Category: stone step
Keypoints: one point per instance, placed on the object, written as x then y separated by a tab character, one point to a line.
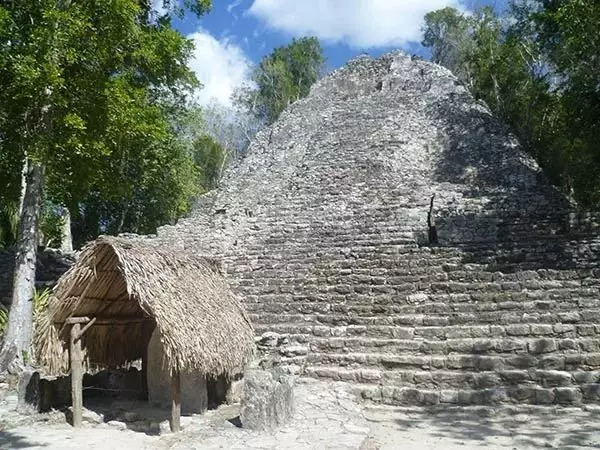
528	394
292	293
443	379
307	325
475	346
375	359
339	314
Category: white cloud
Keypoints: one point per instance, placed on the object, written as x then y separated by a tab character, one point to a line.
220	65
358	23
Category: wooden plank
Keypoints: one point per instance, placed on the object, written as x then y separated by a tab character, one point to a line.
145	374
175	401
84	329
107	320
76	375
148	329
74	320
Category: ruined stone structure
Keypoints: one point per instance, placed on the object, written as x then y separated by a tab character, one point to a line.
325	230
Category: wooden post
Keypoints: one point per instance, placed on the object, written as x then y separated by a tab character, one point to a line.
144	374
77	365
175	401
76	375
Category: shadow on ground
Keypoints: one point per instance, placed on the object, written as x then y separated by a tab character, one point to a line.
136	415
13	440
478	428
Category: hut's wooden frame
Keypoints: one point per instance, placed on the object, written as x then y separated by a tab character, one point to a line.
115	288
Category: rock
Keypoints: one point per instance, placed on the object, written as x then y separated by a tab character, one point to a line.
294	350
131	416
29	395
164	427
268	400
116	424
271	339
92	417
235	392
4	389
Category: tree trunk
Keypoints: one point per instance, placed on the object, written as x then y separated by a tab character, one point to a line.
66	241
17	350
23	187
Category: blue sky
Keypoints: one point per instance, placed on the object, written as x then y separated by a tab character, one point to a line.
238	33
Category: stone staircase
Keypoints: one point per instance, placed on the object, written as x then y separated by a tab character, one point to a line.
428	326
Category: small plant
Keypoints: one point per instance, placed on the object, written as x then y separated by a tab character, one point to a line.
3	319
25	355
40	302
9	222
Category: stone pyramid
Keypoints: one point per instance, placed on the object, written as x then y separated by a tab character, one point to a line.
397	237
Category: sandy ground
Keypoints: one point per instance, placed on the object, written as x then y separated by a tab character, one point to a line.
328	417
477	428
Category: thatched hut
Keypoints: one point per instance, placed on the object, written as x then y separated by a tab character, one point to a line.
132	294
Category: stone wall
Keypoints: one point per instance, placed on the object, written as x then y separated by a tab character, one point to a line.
322	230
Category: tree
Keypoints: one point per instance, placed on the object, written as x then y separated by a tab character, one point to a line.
446	32
538	69
567	32
283	77
81	82
232	127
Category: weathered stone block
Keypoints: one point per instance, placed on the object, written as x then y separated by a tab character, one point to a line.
553	362
542	346
544	396
548	378
268	400
541	330
410	396
522	394
591	392
568	395
494	395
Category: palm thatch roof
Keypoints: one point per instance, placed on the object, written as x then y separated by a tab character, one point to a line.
130	287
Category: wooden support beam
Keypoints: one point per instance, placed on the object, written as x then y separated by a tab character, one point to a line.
145	374
87	326
147	329
74	320
175	401
77	303
107	320
76	375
